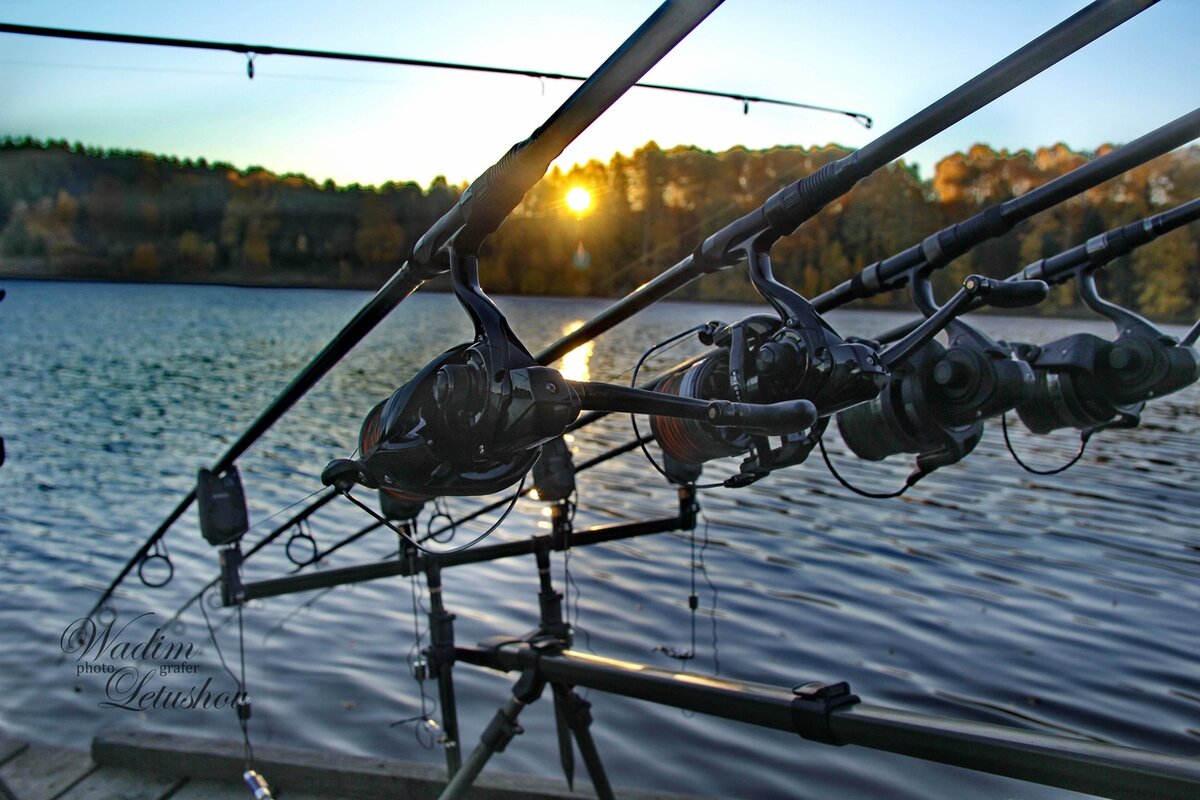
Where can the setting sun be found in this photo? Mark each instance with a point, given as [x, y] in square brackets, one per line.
[579, 199]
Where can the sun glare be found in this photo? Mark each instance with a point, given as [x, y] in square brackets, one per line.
[579, 199]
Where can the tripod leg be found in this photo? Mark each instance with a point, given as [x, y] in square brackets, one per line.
[579, 717]
[498, 733]
[449, 706]
[441, 662]
[566, 750]
[494, 739]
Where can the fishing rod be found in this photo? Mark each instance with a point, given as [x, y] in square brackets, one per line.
[481, 207]
[918, 396]
[939, 249]
[935, 406]
[1095, 253]
[252, 51]
[471, 421]
[784, 211]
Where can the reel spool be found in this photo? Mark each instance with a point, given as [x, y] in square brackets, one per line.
[689, 441]
[909, 416]
[935, 401]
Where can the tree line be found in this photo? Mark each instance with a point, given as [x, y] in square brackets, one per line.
[72, 211]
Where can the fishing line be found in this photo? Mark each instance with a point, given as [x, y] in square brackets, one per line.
[633, 417]
[627, 370]
[244, 703]
[374, 526]
[418, 669]
[244, 700]
[307, 604]
[1083, 440]
[715, 592]
[265, 520]
[175, 618]
[698, 564]
[114, 68]
[417, 543]
[571, 608]
[912, 479]
[693, 604]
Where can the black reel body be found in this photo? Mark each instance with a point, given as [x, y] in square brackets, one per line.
[1084, 381]
[764, 368]
[935, 402]
[424, 442]
[806, 357]
[471, 421]
[910, 416]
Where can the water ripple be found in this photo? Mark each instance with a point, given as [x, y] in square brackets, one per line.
[1063, 604]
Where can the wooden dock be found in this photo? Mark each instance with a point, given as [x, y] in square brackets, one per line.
[150, 766]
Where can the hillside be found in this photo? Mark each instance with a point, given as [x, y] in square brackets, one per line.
[70, 211]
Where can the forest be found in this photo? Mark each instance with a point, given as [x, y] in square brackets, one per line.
[71, 211]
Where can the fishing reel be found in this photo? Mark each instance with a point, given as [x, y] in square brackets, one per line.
[793, 354]
[1086, 382]
[473, 420]
[470, 421]
[935, 403]
[796, 353]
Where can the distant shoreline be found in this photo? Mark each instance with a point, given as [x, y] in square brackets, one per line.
[439, 286]
[75, 212]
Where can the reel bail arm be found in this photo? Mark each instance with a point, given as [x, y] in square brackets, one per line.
[976, 290]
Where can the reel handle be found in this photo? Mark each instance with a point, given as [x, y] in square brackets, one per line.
[1011, 294]
[774, 419]
[975, 289]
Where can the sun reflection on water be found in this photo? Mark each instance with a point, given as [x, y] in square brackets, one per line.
[574, 365]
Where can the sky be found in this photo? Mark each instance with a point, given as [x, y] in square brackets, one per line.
[370, 124]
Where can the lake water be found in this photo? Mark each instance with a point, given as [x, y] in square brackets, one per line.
[1064, 603]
